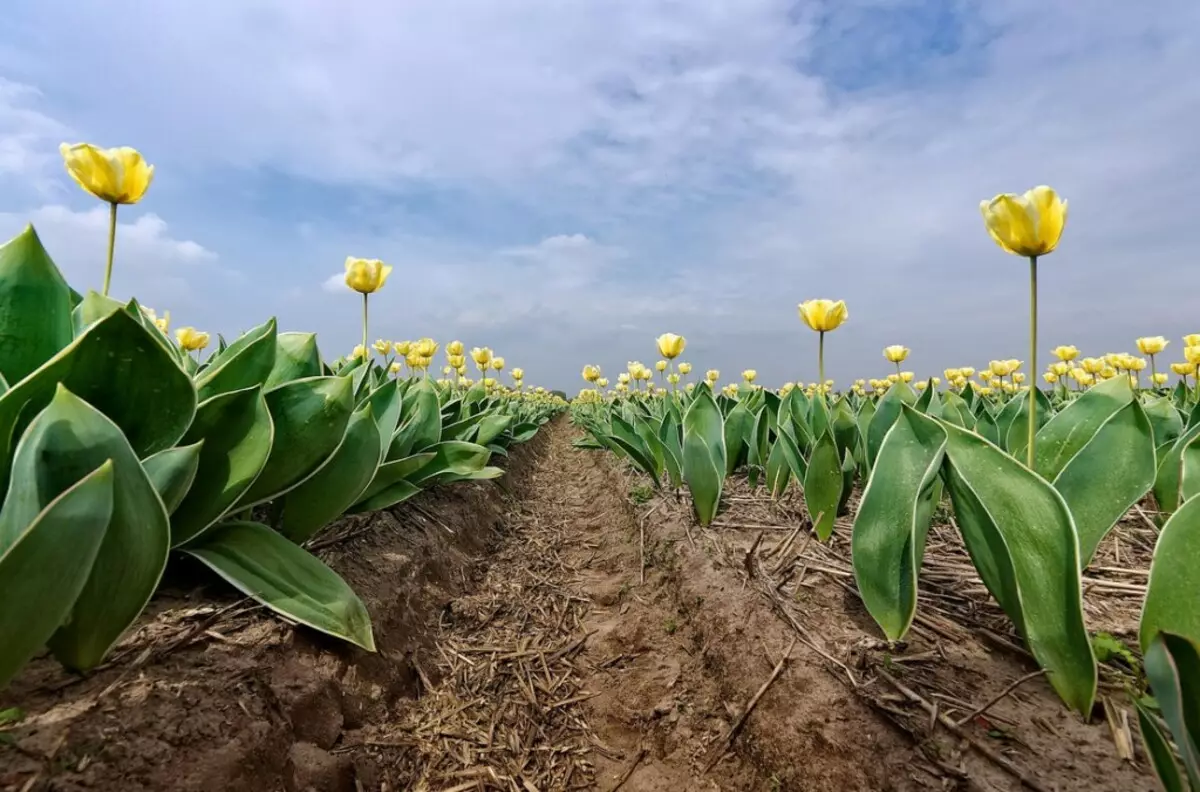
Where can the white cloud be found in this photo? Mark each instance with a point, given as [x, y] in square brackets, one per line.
[28, 140]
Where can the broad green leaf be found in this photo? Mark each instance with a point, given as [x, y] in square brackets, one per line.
[791, 452]
[237, 434]
[1168, 479]
[1069, 431]
[452, 456]
[823, 485]
[844, 425]
[338, 484]
[1164, 418]
[310, 418]
[389, 476]
[121, 371]
[296, 357]
[385, 406]
[386, 497]
[1110, 474]
[779, 473]
[1017, 437]
[492, 427]
[45, 564]
[887, 410]
[1172, 664]
[245, 363]
[888, 539]
[284, 577]
[1162, 758]
[1023, 542]
[420, 422]
[35, 306]
[704, 454]
[672, 443]
[739, 431]
[172, 472]
[1174, 586]
[64, 443]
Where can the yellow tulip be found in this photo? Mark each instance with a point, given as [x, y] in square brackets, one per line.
[456, 361]
[1159, 379]
[1061, 368]
[1192, 353]
[623, 378]
[967, 372]
[366, 276]
[670, 345]
[1065, 353]
[1018, 377]
[395, 367]
[602, 382]
[1092, 365]
[673, 378]
[1108, 372]
[685, 368]
[823, 316]
[1191, 339]
[117, 175]
[712, 375]
[462, 372]
[749, 375]
[907, 376]
[1050, 377]
[591, 373]
[1151, 345]
[454, 348]
[985, 391]
[359, 351]
[922, 385]
[482, 357]
[896, 353]
[952, 374]
[1132, 363]
[163, 323]
[660, 366]
[382, 347]
[190, 339]
[731, 389]
[891, 378]
[1026, 225]
[426, 347]
[402, 348]
[518, 374]
[498, 363]
[414, 360]
[1184, 369]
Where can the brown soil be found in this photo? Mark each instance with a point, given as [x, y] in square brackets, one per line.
[563, 637]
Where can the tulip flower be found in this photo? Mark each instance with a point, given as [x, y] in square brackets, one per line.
[822, 316]
[498, 363]
[712, 375]
[1061, 368]
[1050, 377]
[670, 345]
[684, 369]
[896, 354]
[426, 347]
[623, 378]
[163, 323]
[660, 366]
[359, 351]
[482, 357]
[591, 373]
[1028, 225]
[1065, 353]
[1151, 346]
[749, 375]
[1158, 379]
[395, 368]
[366, 276]
[191, 340]
[907, 376]
[602, 382]
[382, 347]
[454, 348]
[116, 175]
[1184, 369]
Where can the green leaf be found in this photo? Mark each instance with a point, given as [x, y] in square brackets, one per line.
[245, 363]
[1159, 750]
[888, 539]
[779, 472]
[739, 431]
[385, 405]
[386, 497]
[1174, 586]
[121, 371]
[35, 306]
[1110, 474]
[1172, 666]
[237, 434]
[1022, 540]
[451, 457]
[172, 472]
[492, 427]
[286, 578]
[338, 484]
[672, 444]
[420, 422]
[296, 357]
[1017, 436]
[1066, 434]
[887, 410]
[65, 443]
[823, 485]
[310, 418]
[48, 561]
[1165, 419]
[1168, 480]
[704, 453]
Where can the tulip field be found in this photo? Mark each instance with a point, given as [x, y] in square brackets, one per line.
[132, 450]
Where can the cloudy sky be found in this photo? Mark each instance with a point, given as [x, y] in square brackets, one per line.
[566, 179]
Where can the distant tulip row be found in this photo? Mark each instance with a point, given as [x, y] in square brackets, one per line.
[123, 452]
[1035, 479]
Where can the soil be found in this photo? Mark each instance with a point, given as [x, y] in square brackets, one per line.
[574, 630]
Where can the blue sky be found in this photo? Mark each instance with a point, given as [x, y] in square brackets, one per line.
[564, 181]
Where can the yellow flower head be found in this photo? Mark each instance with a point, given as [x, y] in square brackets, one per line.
[623, 378]
[456, 361]
[660, 366]
[673, 378]
[1159, 378]
[1192, 353]
[395, 367]
[402, 347]
[1026, 225]
[1152, 345]
[712, 375]
[382, 347]
[892, 378]
[602, 382]
[518, 374]
[670, 345]
[454, 348]
[163, 323]
[823, 315]
[366, 276]
[414, 360]
[922, 385]
[907, 376]
[358, 352]
[896, 353]
[1184, 369]
[952, 374]
[1060, 368]
[966, 372]
[1092, 365]
[498, 363]
[1191, 339]
[426, 347]
[116, 175]
[731, 389]
[685, 369]
[190, 339]
[749, 375]
[591, 373]
[1066, 353]
[482, 357]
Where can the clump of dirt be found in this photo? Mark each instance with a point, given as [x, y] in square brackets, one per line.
[210, 692]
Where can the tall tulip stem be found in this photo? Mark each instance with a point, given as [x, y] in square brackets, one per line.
[1033, 366]
[112, 242]
[364, 343]
[821, 364]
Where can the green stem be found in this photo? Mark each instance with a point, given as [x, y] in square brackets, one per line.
[821, 365]
[364, 344]
[112, 242]
[1033, 366]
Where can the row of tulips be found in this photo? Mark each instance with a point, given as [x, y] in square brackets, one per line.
[1035, 480]
[122, 451]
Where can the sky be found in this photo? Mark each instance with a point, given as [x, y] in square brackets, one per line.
[564, 180]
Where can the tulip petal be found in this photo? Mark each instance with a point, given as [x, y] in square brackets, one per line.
[1051, 216]
[1011, 223]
